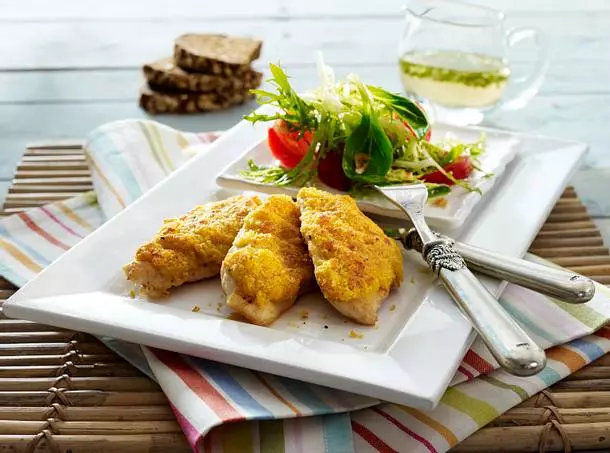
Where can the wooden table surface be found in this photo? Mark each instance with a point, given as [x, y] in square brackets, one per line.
[68, 66]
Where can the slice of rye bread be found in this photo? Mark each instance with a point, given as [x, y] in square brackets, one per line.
[156, 102]
[165, 75]
[216, 54]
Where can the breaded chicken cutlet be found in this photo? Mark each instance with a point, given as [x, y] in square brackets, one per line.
[191, 247]
[268, 266]
[356, 264]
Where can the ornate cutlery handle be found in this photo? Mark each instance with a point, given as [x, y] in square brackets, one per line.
[510, 345]
[559, 283]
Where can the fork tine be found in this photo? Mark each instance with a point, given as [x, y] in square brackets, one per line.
[412, 196]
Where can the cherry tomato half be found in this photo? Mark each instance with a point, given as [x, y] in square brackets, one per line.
[286, 146]
[330, 171]
[461, 168]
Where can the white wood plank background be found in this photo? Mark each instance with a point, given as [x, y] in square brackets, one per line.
[68, 66]
[358, 41]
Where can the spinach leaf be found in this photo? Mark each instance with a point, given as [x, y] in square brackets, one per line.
[367, 156]
[405, 108]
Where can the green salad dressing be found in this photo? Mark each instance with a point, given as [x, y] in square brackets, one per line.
[454, 79]
[455, 67]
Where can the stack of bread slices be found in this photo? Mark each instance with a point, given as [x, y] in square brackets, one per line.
[207, 72]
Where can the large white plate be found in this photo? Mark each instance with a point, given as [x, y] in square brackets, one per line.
[500, 150]
[408, 358]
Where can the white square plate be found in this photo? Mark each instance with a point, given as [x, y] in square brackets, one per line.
[501, 148]
[408, 358]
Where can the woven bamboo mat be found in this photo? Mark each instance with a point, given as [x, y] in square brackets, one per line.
[64, 391]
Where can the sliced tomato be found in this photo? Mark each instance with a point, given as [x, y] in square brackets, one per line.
[461, 168]
[330, 171]
[287, 146]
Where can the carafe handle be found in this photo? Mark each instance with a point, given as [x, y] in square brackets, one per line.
[527, 87]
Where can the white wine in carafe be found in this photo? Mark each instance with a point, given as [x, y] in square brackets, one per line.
[454, 79]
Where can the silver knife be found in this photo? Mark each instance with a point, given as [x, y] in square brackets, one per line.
[554, 282]
[510, 345]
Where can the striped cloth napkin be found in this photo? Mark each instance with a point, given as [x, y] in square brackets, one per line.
[228, 409]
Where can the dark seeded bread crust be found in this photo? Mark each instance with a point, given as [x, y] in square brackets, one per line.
[216, 54]
[156, 102]
[165, 75]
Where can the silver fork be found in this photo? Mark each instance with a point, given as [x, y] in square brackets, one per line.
[510, 345]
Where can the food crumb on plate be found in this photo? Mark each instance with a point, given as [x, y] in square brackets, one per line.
[304, 314]
[354, 334]
[440, 202]
[412, 281]
[392, 307]
[195, 309]
[132, 293]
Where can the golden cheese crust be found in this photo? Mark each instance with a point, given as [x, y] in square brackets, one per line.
[268, 265]
[356, 264]
[190, 247]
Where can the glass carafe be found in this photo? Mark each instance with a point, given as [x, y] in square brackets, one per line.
[453, 57]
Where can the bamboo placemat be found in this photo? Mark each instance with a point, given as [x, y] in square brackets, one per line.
[64, 391]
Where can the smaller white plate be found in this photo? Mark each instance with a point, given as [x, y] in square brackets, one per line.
[501, 149]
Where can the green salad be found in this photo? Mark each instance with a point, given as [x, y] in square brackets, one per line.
[348, 135]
